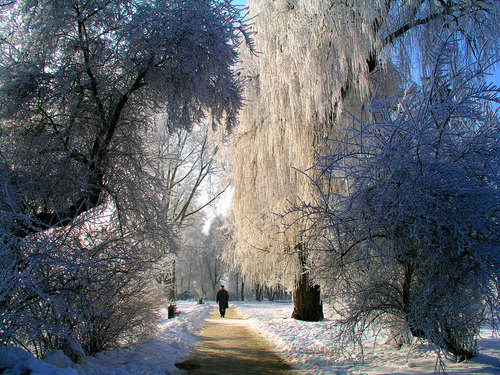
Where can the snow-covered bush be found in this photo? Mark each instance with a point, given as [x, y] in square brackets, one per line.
[407, 224]
[86, 282]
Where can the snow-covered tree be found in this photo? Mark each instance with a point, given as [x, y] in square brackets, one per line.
[411, 244]
[190, 175]
[188, 168]
[315, 58]
[91, 281]
[200, 268]
[80, 82]
[211, 265]
[79, 78]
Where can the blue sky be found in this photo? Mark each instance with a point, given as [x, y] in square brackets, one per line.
[495, 78]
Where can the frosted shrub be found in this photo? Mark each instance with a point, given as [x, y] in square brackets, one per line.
[84, 282]
[411, 244]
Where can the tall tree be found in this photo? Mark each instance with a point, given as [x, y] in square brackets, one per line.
[79, 78]
[187, 165]
[199, 258]
[189, 173]
[79, 83]
[316, 58]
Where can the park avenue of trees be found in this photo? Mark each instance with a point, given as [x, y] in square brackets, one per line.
[360, 139]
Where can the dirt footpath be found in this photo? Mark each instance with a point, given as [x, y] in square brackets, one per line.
[227, 346]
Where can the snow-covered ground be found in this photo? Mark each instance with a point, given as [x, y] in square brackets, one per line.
[151, 357]
[307, 346]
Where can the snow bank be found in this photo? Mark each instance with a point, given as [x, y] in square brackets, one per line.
[155, 356]
[17, 361]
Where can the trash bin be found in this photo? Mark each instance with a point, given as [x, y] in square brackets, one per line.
[171, 311]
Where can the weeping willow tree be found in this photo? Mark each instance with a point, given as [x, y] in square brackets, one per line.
[317, 58]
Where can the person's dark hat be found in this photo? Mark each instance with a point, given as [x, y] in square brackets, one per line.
[222, 286]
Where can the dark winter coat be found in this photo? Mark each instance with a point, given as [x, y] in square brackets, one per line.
[223, 297]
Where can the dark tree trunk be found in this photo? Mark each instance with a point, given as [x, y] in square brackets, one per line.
[237, 279]
[242, 290]
[307, 297]
[258, 292]
[307, 301]
[270, 293]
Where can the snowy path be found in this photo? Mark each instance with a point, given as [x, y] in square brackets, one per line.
[228, 346]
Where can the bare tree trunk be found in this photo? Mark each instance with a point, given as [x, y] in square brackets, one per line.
[307, 301]
[258, 292]
[242, 290]
[171, 283]
[307, 298]
[237, 285]
[271, 293]
[174, 291]
[189, 279]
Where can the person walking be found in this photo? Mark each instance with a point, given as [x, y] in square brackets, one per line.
[222, 299]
